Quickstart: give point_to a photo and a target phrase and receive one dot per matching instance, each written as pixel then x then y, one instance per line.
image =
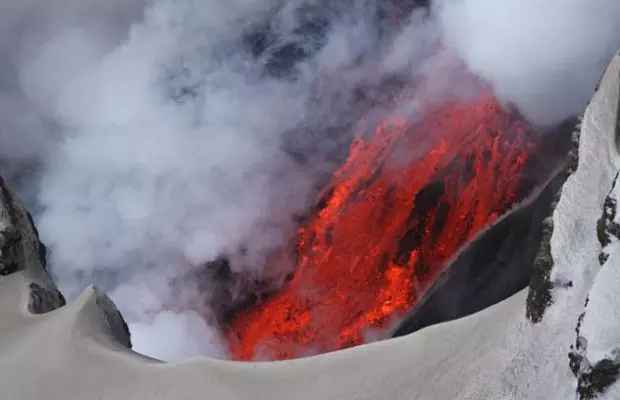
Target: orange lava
pixel 386 225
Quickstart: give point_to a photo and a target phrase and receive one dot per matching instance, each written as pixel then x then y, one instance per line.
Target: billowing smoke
pixel 544 56
pixel 153 138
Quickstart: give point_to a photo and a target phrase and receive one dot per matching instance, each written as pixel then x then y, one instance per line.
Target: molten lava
pixel 403 203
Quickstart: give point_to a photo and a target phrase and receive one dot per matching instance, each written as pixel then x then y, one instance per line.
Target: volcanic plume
pixel 150 139
pixel 388 221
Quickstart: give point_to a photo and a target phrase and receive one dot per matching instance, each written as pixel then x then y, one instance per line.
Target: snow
pixel 495 354
pixel 574 242
pixel 602 314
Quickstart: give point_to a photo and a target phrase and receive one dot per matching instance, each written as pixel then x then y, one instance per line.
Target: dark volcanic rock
pixel 10 239
pixel 597 379
pixel 592 380
pixel 493 267
pixel 44 299
pixel 578 350
pixel 115 323
pixel 10 236
pixel 607 230
pixel 539 295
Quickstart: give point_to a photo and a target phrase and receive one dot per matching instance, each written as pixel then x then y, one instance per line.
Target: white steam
pixel 544 56
pixel 153 141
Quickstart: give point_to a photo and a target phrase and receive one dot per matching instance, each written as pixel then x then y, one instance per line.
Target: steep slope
pixel 495 265
pixel 80 351
pixel 480 159
pixel 572 295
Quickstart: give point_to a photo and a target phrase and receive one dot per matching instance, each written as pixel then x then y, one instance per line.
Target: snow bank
pixel 80 351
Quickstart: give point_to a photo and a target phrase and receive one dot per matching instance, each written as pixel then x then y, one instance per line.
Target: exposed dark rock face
pixel 572 160
pixel 493 267
pixel 114 320
pixel 506 257
pixel 539 295
pixel 578 350
pixel 44 299
pixel 607 230
pixel 10 236
pixel 597 379
pixel 10 239
pixel 21 250
pixel 574 361
pixel 42 247
pixel 19 239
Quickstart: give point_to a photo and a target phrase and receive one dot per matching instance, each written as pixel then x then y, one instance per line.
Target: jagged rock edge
pixel 539 294
pixel 44 299
pixel 10 236
pixel 114 321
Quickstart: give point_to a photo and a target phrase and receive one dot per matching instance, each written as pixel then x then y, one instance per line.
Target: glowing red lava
pixel 386 224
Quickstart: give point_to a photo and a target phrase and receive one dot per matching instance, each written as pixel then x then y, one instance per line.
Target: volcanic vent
pixel 388 221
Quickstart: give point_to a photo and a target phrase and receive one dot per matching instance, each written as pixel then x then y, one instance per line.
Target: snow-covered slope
pixel 81 351
pixel 583 255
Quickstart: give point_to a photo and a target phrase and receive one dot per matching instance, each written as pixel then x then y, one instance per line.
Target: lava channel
pixel 387 223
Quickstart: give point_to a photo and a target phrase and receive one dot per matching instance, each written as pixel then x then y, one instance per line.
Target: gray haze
pixel 149 141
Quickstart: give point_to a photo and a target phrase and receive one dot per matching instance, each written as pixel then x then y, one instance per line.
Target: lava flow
pixel 386 225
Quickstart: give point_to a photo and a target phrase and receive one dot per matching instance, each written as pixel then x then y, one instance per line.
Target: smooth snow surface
pixel 70 353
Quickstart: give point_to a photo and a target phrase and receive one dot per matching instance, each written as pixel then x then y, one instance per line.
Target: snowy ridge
pixel 585 250
pixel 596 354
pixel 20 250
pixel 597 345
pixel 554 359
pixel 80 351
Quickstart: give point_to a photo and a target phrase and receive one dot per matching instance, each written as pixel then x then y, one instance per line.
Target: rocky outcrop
pixel 595 354
pixel 44 299
pixel 540 286
pixel 494 266
pixel 23 255
pixel 584 249
pixel 79 351
pixel 597 372
pixel 607 229
pixel 112 318
pixel 10 234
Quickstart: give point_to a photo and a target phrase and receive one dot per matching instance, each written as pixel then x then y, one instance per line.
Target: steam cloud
pixel 150 138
